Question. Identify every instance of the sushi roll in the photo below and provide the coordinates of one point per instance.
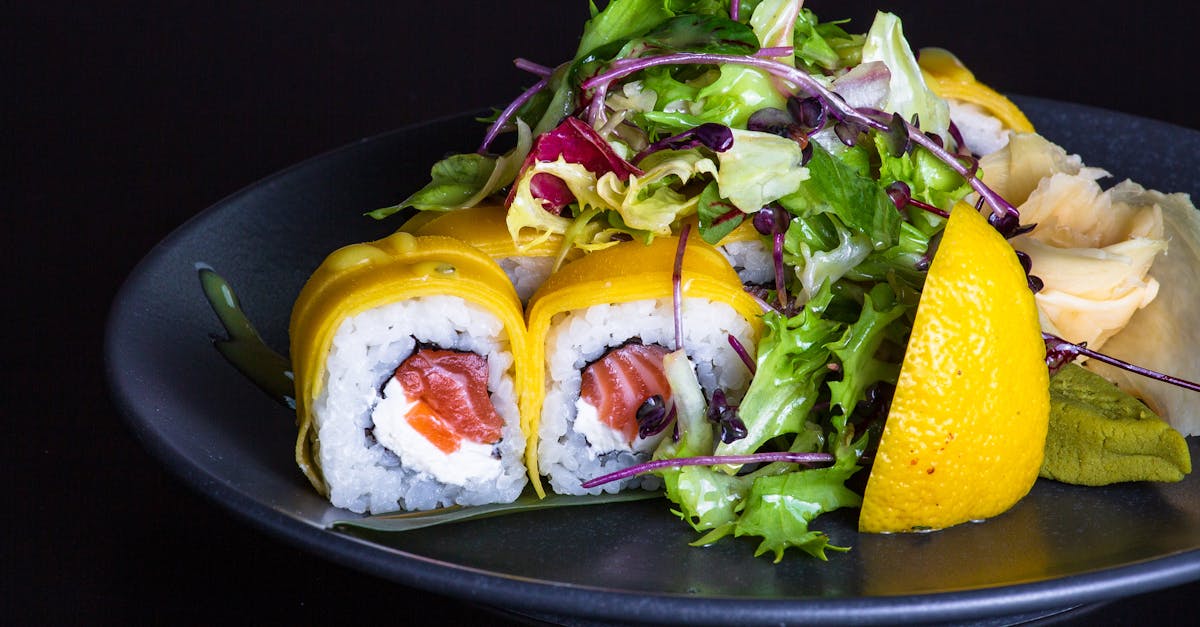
(407, 355)
(527, 262)
(598, 331)
(747, 251)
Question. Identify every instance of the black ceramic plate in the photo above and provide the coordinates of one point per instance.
(1061, 546)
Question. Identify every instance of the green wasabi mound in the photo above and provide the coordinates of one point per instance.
(1099, 435)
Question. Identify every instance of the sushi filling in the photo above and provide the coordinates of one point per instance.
(612, 390)
(436, 415)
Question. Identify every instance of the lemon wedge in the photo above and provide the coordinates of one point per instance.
(965, 435)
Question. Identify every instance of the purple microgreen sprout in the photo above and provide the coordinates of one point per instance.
(848, 131)
(1060, 352)
(533, 68)
(764, 221)
(777, 257)
(677, 285)
(725, 415)
(810, 113)
(896, 136)
(770, 120)
(742, 353)
(803, 459)
(716, 137)
(773, 220)
(1035, 283)
(775, 51)
(653, 416)
(956, 135)
(1004, 218)
(901, 195)
(507, 114)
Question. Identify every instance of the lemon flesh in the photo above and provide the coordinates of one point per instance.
(966, 432)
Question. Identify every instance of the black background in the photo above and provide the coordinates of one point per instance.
(122, 120)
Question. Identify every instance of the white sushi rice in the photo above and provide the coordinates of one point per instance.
(751, 260)
(579, 337)
(364, 475)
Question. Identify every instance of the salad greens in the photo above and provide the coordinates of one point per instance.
(829, 143)
(729, 113)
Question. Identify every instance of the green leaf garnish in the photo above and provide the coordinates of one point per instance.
(408, 521)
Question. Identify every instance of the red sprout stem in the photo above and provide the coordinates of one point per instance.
(1062, 352)
(777, 256)
(743, 354)
(1002, 209)
(507, 114)
(677, 285)
(533, 68)
(928, 207)
(805, 459)
(727, 216)
(775, 51)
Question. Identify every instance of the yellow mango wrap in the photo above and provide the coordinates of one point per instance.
(949, 78)
(360, 277)
(482, 226)
(629, 271)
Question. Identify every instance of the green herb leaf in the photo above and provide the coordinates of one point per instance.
(701, 33)
(456, 179)
(835, 187)
(858, 346)
(779, 508)
(790, 370)
(713, 207)
(528, 502)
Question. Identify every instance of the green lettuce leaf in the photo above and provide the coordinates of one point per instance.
(779, 508)
(462, 181)
(707, 499)
(929, 179)
(759, 168)
(774, 22)
(621, 20)
(791, 367)
(859, 344)
(819, 262)
(728, 96)
(908, 94)
(825, 45)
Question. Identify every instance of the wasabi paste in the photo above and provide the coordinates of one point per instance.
(1100, 435)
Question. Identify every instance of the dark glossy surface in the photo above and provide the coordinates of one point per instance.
(1061, 546)
(125, 120)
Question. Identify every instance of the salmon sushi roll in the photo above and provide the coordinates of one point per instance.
(599, 329)
(407, 353)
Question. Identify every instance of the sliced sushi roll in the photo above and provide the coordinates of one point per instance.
(527, 262)
(595, 396)
(407, 354)
(748, 253)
